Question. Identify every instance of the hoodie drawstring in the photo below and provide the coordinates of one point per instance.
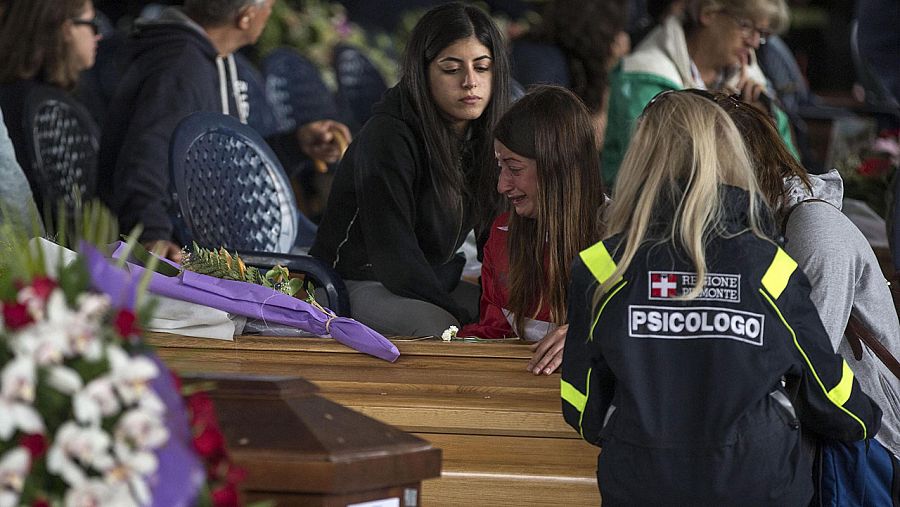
(238, 88)
(223, 88)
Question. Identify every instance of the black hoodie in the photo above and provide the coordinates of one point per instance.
(170, 70)
(385, 220)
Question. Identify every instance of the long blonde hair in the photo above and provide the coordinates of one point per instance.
(684, 148)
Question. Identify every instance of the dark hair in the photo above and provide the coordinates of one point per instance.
(33, 43)
(772, 162)
(216, 12)
(585, 31)
(554, 125)
(439, 28)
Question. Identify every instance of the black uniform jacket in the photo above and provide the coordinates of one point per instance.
(686, 396)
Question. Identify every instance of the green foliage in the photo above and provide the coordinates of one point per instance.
(221, 264)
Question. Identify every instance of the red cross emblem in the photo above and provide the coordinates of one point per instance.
(662, 285)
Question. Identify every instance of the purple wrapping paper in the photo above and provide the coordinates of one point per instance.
(241, 298)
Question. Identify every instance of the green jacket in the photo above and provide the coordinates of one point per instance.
(659, 63)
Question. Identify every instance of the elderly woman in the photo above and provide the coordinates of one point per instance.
(710, 47)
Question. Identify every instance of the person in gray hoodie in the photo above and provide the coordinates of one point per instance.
(841, 266)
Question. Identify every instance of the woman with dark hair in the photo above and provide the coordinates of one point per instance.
(419, 176)
(685, 322)
(42, 43)
(550, 175)
(842, 268)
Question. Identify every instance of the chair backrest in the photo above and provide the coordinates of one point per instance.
(360, 85)
(63, 143)
(262, 115)
(537, 62)
(296, 90)
(230, 188)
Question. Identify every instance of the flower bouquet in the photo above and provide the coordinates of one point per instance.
(867, 162)
(88, 416)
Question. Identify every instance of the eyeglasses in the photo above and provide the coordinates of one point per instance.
(92, 23)
(749, 29)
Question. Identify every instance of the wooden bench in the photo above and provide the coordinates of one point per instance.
(503, 438)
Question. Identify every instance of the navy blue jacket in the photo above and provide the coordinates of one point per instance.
(685, 396)
(169, 71)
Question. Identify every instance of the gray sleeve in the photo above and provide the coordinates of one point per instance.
(16, 201)
(819, 239)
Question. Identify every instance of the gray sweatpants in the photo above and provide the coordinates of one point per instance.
(391, 315)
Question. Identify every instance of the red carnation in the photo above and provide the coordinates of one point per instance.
(15, 315)
(42, 287)
(225, 496)
(126, 323)
(210, 444)
(874, 167)
(35, 443)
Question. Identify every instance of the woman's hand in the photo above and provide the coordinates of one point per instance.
(164, 248)
(548, 353)
(324, 140)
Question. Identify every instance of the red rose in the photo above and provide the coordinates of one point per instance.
(43, 286)
(202, 410)
(225, 496)
(15, 315)
(210, 444)
(35, 443)
(40, 502)
(874, 167)
(125, 323)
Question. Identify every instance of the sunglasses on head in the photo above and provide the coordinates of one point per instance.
(693, 91)
(92, 23)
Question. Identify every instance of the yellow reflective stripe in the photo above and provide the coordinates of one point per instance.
(813, 370)
(587, 392)
(597, 318)
(572, 395)
(778, 274)
(598, 260)
(841, 392)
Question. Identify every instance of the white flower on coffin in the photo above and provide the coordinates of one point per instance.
(140, 430)
(16, 396)
(449, 333)
(14, 467)
(76, 448)
(97, 400)
(94, 492)
(130, 375)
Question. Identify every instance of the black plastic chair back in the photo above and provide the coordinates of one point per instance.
(230, 186)
(63, 143)
(231, 191)
(360, 85)
(262, 114)
(296, 90)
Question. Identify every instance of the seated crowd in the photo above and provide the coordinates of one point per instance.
(648, 227)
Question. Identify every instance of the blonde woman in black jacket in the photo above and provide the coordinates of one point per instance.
(684, 323)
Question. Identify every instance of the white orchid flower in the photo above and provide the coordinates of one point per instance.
(93, 306)
(14, 468)
(130, 375)
(46, 342)
(64, 379)
(83, 337)
(141, 430)
(90, 446)
(91, 493)
(130, 477)
(97, 400)
(16, 395)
